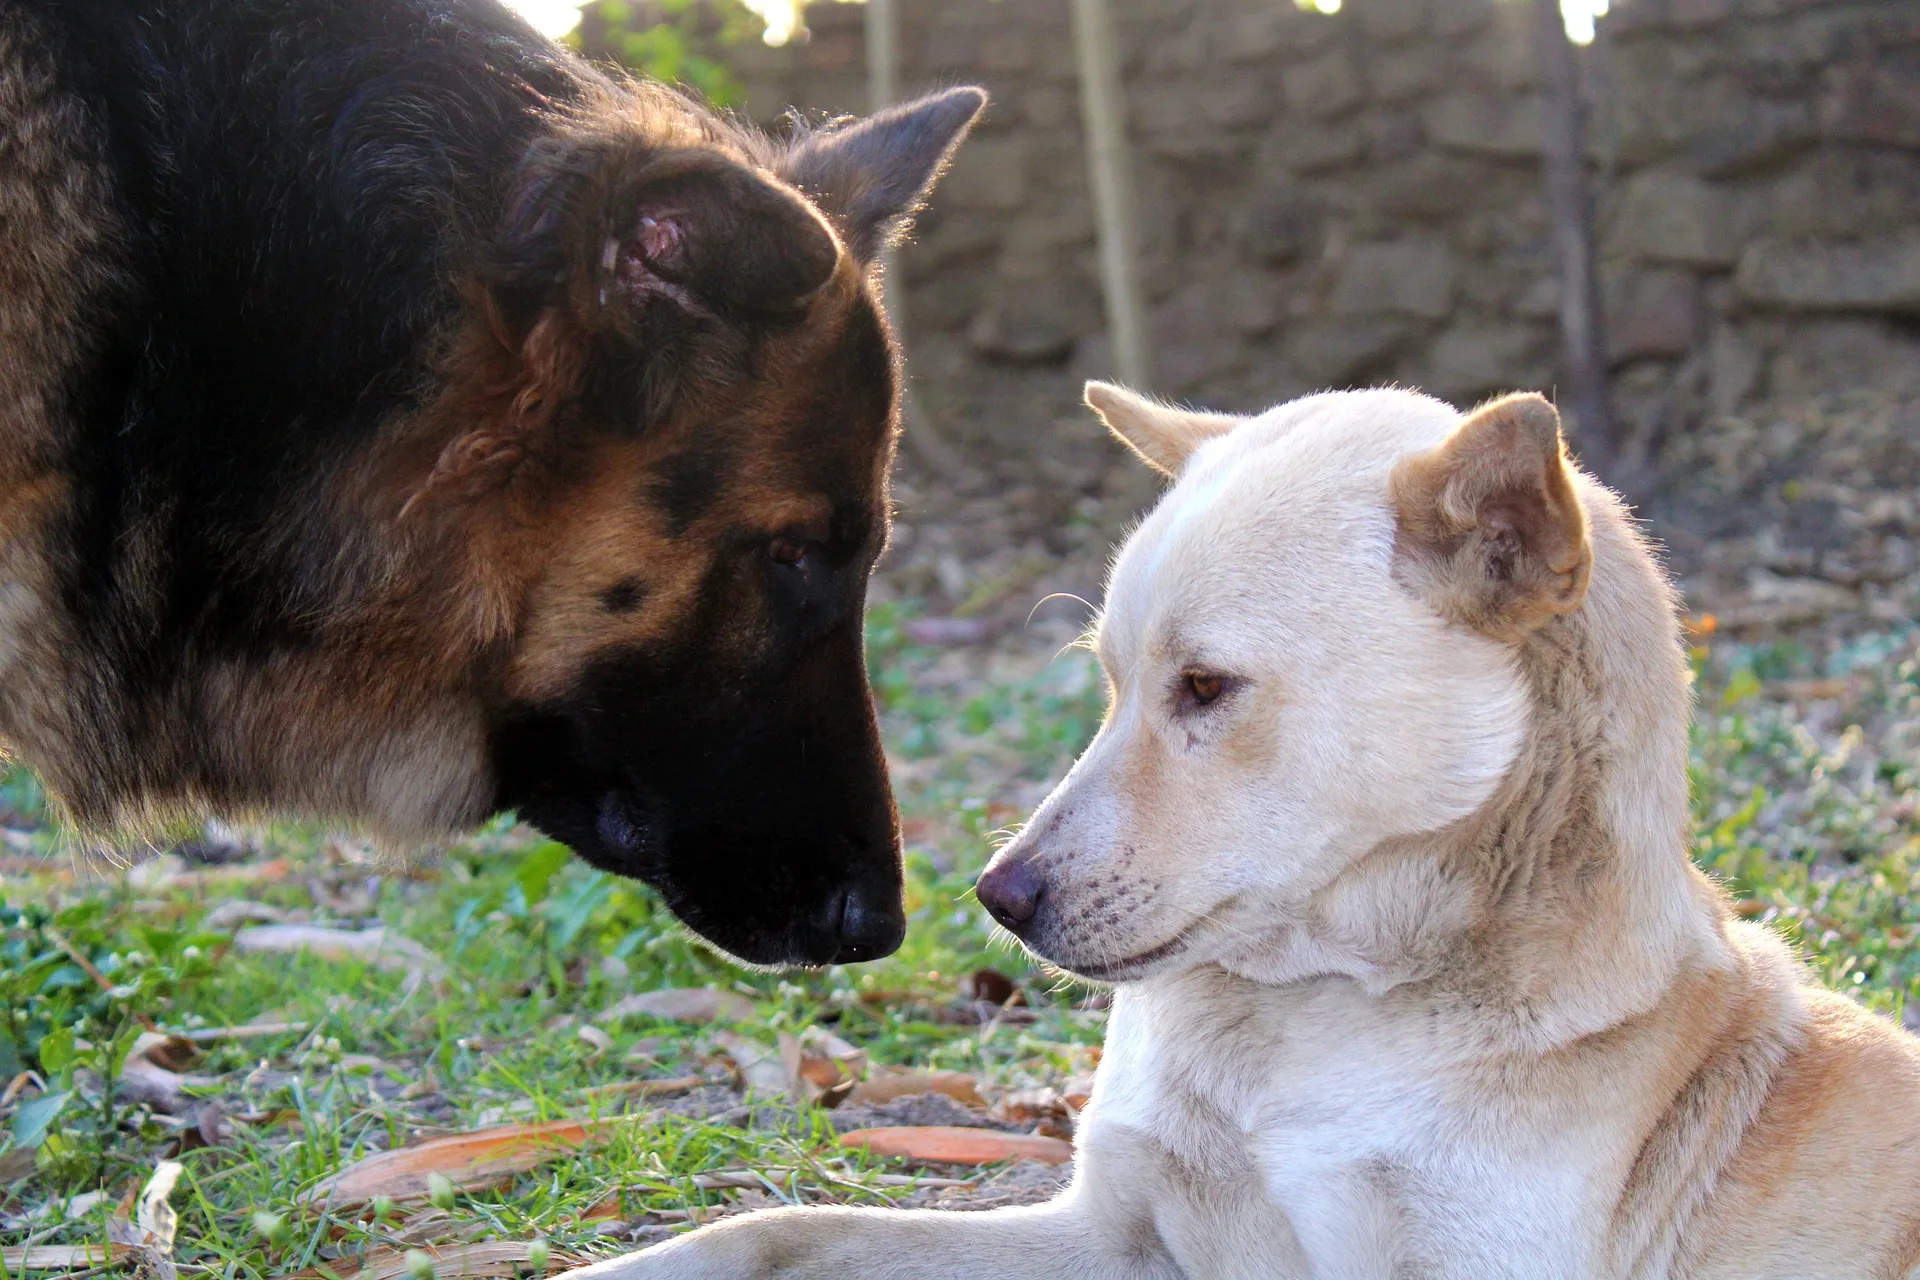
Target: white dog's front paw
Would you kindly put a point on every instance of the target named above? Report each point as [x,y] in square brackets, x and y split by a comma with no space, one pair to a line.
[750,1247]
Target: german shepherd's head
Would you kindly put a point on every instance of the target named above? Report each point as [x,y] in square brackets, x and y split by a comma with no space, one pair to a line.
[661,463]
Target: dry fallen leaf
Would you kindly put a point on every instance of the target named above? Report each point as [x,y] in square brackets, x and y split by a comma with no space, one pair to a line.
[61,1257]
[991,986]
[163,1090]
[471,1161]
[885,1086]
[761,1069]
[163,1049]
[1029,1106]
[681,1004]
[239,911]
[821,1067]
[171,870]
[643,1088]
[375,946]
[149,1236]
[950,1145]
[246,1031]
[450,1262]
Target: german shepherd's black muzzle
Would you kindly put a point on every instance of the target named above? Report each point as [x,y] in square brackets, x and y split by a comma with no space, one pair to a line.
[760,808]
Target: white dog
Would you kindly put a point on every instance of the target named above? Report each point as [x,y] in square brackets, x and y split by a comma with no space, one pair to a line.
[1384,842]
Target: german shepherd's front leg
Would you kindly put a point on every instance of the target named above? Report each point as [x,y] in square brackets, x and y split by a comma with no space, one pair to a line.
[1061,1240]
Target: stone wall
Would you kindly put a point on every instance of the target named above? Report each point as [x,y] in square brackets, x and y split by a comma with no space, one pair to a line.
[1357,198]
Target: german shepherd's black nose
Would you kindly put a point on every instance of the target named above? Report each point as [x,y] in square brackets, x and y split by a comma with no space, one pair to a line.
[871,923]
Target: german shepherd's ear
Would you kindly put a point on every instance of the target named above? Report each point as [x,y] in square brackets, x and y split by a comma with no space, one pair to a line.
[631,239]
[872,176]
[624,274]
[1490,525]
[1162,436]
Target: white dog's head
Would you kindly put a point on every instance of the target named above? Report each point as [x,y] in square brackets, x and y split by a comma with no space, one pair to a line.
[1312,647]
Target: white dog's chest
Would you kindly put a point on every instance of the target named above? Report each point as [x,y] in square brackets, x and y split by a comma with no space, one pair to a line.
[1326,1155]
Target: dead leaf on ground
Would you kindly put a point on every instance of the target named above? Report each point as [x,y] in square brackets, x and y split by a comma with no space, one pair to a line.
[150,1235]
[164,1049]
[471,1161]
[760,1068]
[165,1091]
[17,1164]
[644,1088]
[885,1086]
[170,870]
[991,986]
[375,946]
[821,1067]
[943,1144]
[239,911]
[245,1031]
[681,1004]
[450,1262]
[61,1257]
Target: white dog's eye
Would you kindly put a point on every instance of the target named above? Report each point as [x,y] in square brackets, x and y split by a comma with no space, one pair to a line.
[1198,688]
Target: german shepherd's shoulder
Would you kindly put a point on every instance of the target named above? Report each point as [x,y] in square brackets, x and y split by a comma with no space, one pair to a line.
[401,420]
[1384,842]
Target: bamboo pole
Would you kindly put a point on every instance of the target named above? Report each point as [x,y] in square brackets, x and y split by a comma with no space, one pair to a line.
[1582,318]
[1110,173]
[883,90]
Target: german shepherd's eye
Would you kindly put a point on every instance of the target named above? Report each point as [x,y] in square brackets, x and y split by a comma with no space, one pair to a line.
[1199,688]
[791,551]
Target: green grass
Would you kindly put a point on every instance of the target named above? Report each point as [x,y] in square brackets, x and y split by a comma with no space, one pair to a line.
[1813,827]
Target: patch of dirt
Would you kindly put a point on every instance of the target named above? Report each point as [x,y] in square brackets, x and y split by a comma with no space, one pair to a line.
[917,1109]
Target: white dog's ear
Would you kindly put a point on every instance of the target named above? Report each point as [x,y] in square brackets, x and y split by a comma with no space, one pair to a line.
[1163,436]
[1490,526]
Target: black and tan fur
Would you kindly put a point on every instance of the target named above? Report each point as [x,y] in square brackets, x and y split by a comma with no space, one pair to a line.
[402,421]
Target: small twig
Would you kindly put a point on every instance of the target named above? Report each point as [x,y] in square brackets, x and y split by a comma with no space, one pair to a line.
[74,953]
[245,1031]
[644,1088]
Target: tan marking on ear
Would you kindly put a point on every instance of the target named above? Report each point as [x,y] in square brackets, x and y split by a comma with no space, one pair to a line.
[1490,526]
[1165,437]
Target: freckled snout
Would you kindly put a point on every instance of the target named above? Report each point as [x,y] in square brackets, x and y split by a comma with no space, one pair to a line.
[1010,891]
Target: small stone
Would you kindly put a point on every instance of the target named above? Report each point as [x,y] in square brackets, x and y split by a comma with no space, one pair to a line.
[1817,275]
[1876,99]
[1734,366]
[1303,150]
[1480,123]
[1470,360]
[1328,86]
[1337,353]
[1284,225]
[1652,314]
[1391,21]
[1673,216]
[1395,277]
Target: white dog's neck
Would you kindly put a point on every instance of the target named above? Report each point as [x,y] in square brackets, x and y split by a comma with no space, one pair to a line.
[1579,856]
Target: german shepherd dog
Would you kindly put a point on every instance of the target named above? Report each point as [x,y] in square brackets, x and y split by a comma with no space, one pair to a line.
[403,421]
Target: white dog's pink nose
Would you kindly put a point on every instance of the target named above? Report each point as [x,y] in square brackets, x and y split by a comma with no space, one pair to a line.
[1010,891]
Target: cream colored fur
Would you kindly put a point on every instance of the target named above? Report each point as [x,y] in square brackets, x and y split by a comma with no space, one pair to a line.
[1415,976]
